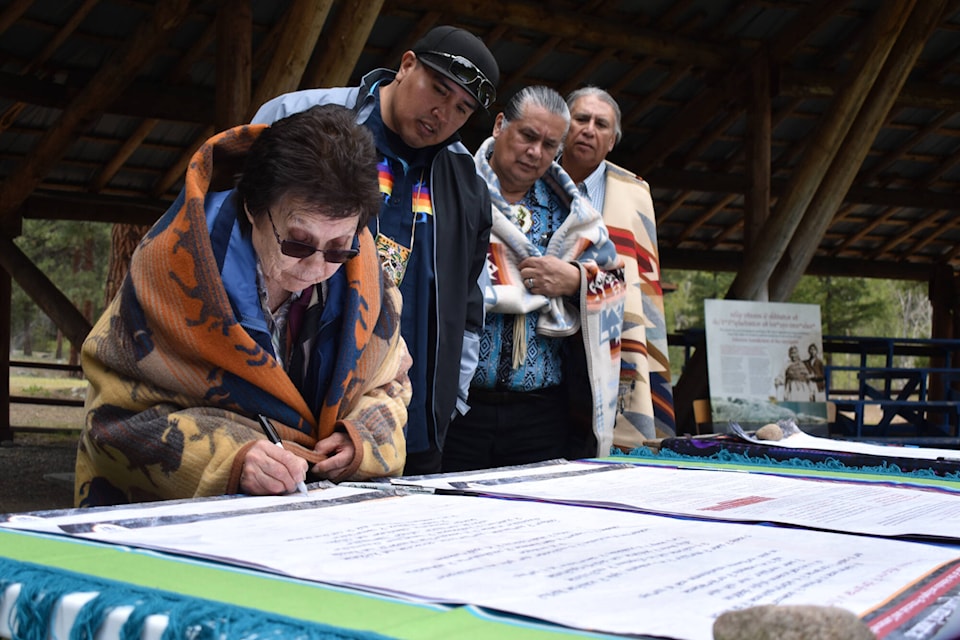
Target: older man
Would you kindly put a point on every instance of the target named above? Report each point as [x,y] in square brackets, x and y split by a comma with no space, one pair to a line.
[434,222]
[546,384]
[646,406]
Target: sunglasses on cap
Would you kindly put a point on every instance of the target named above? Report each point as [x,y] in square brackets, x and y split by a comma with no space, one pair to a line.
[464,72]
[301,250]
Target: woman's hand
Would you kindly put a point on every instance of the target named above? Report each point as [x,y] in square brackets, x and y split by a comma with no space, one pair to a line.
[339,449]
[269,470]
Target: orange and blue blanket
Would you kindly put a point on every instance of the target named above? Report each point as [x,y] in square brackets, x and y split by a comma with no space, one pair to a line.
[176,382]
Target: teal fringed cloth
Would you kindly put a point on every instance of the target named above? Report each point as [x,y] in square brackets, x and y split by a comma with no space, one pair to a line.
[188,617]
[883,470]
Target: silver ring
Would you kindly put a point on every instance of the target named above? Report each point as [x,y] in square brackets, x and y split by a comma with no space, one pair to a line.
[529,282]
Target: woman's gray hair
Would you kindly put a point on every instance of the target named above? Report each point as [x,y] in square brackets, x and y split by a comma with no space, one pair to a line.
[539,96]
[600,94]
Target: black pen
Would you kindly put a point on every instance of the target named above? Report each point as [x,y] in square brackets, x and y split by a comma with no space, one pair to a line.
[275,439]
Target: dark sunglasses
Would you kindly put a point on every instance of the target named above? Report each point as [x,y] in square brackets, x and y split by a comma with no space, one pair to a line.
[466,73]
[301,250]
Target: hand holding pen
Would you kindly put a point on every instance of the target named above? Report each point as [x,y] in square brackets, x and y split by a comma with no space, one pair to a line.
[270,470]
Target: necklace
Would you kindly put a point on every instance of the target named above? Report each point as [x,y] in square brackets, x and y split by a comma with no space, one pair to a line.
[393,255]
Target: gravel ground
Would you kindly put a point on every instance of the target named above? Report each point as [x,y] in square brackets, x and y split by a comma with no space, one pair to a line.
[36,472]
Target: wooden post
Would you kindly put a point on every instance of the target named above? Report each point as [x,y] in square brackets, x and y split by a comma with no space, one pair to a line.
[856,145]
[234,63]
[941,293]
[757,198]
[340,52]
[301,29]
[823,147]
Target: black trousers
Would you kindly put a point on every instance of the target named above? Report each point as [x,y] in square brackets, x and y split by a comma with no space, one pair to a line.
[506,428]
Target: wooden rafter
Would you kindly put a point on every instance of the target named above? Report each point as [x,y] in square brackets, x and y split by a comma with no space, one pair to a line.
[109,82]
[581,28]
[302,25]
[14,110]
[701,109]
[779,229]
[341,48]
[234,63]
[855,147]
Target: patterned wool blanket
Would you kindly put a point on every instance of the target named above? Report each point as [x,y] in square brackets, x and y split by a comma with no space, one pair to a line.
[646,390]
[582,238]
[596,313]
[176,383]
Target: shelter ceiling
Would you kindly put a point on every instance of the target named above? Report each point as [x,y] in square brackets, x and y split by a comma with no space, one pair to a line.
[103,102]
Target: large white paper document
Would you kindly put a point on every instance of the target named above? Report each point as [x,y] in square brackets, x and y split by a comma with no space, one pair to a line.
[797,439]
[832,505]
[599,569]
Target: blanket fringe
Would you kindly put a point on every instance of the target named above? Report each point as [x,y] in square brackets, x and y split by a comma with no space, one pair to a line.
[41,588]
[519,340]
[831,464]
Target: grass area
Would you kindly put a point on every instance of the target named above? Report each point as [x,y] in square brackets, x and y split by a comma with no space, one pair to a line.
[52,385]
[45,383]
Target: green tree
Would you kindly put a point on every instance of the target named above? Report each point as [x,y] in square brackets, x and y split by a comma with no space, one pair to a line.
[74,256]
[848,306]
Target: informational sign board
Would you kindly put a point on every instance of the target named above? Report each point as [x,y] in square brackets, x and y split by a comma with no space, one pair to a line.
[764,363]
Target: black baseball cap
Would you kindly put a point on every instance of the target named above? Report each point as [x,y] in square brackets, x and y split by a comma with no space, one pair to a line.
[462,57]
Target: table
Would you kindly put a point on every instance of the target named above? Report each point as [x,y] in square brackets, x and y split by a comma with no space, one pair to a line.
[269,599]
[217,595]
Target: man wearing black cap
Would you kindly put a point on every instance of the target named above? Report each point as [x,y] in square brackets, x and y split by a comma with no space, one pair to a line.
[434,223]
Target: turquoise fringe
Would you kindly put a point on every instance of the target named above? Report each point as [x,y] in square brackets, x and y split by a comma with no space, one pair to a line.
[195,618]
[830,464]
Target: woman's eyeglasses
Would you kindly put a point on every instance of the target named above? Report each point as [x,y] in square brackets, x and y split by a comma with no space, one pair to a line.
[465,72]
[301,250]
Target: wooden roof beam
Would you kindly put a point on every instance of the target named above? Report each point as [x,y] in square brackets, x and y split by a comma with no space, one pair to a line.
[109,82]
[10,115]
[690,120]
[340,50]
[581,28]
[756,208]
[426,22]
[922,94]
[849,156]
[529,62]
[175,171]
[780,228]
[12,12]
[715,182]
[302,26]
[732,261]
[135,139]
[704,217]
[234,63]
[293,39]
[949,222]
[895,154]
[577,78]
[87,207]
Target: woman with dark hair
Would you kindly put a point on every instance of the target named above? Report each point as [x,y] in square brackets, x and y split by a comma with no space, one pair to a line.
[251,304]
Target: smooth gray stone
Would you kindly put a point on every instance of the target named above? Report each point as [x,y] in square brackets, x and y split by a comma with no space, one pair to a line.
[791,622]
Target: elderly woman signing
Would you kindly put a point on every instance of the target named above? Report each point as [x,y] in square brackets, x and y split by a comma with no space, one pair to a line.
[254,301]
